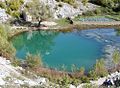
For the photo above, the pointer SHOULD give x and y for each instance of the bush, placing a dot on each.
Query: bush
(116, 57)
(33, 61)
(90, 86)
(85, 79)
(12, 7)
(64, 81)
(3, 32)
(6, 48)
(82, 71)
(16, 62)
(92, 75)
(67, 1)
(100, 69)
(2, 5)
(85, 2)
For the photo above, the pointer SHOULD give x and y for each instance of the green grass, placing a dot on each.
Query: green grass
(62, 22)
(77, 18)
(114, 17)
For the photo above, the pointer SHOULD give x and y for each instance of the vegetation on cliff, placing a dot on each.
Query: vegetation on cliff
(6, 48)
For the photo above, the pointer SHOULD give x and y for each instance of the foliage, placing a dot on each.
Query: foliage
(100, 69)
(33, 60)
(114, 17)
(116, 57)
(112, 4)
(89, 86)
(85, 2)
(64, 81)
(3, 32)
(6, 48)
(84, 79)
(67, 1)
(2, 5)
(12, 7)
(75, 81)
(92, 75)
(62, 22)
(82, 71)
(38, 10)
(15, 62)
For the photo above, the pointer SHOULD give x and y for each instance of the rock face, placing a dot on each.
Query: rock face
(3, 16)
(11, 77)
(61, 10)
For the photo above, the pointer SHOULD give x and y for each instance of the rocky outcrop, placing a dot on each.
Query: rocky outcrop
(11, 77)
(61, 10)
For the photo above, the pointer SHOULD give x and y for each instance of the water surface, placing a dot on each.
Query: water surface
(58, 49)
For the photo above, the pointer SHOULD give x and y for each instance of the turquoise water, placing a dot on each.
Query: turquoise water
(58, 49)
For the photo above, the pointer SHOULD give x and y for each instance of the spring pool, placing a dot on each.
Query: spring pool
(59, 49)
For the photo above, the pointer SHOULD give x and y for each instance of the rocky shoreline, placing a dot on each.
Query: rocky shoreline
(11, 76)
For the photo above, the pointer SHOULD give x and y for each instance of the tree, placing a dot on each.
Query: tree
(38, 10)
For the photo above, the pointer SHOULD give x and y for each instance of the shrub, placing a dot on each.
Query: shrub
(89, 86)
(3, 32)
(33, 60)
(16, 62)
(100, 69)
(82, 71)
(64, 81)
(116, 57)
(85, 79)
(85, 2)
(92, 75)
(6, 48)
(67, 1)
(75, 81)
(2, 5)
(12, 7)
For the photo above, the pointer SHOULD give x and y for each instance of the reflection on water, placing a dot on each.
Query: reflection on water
(35, 42)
